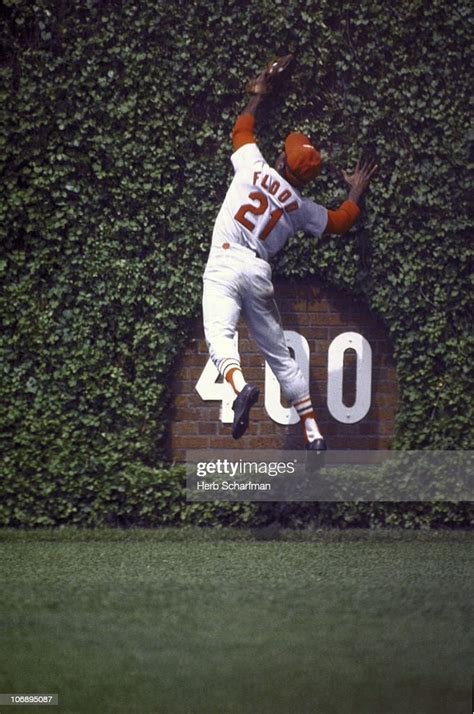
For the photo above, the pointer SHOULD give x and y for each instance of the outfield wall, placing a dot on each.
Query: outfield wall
(320, 315)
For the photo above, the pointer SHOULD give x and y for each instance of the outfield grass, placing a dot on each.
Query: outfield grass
(221, 622)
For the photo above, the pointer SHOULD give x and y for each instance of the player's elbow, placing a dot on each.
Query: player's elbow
(243, 131)
(338, 225)
(342, 220)
(240, 137)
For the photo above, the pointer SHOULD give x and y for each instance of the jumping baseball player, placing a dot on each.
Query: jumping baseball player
(262, 209)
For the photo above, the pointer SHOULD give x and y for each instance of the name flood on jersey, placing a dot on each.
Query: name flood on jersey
(272, 186)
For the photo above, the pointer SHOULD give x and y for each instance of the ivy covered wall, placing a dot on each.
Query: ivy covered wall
(115, 143)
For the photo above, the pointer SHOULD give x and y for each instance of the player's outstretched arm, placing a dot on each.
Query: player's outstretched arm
(342, 220)
(259, 87)
(252, 105)
(243, 131)
(359, 181)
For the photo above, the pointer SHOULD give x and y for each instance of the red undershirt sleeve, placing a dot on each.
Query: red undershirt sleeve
(342, 220)
(243, 131)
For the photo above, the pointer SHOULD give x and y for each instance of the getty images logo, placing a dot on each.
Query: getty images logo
(234, 469)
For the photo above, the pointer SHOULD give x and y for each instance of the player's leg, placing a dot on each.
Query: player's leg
(264, 322)
(221, 306)
(221, 310)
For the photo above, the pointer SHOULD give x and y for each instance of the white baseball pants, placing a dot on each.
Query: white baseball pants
(235, 282)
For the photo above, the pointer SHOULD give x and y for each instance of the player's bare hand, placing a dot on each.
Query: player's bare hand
(358, 182)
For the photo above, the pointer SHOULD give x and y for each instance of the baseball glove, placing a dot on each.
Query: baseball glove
(275, 70)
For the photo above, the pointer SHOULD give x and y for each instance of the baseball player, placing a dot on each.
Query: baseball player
(262, 209)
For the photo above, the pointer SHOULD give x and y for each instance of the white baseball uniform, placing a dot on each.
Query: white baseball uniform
(260, 212)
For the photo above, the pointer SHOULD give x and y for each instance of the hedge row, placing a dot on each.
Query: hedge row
(114, 136)
(142, 497)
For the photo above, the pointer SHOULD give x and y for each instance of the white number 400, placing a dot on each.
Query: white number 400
(209, 389)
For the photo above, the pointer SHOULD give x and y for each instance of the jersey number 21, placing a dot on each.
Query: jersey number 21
(261, 207)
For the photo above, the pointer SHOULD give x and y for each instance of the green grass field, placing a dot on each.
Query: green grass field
(221, 622)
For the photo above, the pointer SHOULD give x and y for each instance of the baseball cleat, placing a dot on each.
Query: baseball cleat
(241, 406)
(316, 445)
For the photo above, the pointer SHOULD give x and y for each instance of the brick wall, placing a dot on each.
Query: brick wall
(320, 314)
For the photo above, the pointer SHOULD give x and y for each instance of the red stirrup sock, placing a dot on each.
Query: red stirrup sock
(306, 413)
(230, 370)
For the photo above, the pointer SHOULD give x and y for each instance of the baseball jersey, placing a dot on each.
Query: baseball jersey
(261, 210)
